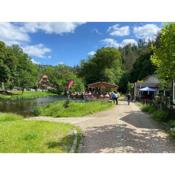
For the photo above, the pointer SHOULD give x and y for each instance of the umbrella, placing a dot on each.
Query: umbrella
(147, 89)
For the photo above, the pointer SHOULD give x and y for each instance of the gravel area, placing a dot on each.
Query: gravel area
(122, 129)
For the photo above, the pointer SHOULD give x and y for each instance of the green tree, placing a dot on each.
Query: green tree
(105, 65)
(59, 76)
(142, 67)
(4, 72)
(164, 54)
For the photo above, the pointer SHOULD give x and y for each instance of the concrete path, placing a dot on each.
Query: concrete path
(122, 129)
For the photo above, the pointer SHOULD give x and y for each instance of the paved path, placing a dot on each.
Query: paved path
(122, 129)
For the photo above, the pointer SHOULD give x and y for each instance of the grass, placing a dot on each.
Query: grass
(26, 95)
(26, 136)
(74, 109)
(162, 117)
(157, 114)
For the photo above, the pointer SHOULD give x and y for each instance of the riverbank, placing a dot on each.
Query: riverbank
(72, 109)
(17, 95)
(23, 136)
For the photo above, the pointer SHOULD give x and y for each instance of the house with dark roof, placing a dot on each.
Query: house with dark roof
(150, 81)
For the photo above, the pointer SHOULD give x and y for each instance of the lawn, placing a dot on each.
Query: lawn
(26, 136)
(74, 109)
(26, 95)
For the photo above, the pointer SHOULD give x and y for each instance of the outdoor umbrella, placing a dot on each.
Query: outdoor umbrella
(147, 89)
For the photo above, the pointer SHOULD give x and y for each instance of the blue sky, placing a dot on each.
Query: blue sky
(68, 43)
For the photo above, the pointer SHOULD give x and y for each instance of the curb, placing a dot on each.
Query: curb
(74, 145)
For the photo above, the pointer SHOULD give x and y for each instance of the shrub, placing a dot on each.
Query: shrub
(9, 117)
(148, 108)
(160, 115)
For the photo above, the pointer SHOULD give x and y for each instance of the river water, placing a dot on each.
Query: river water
(25, 107)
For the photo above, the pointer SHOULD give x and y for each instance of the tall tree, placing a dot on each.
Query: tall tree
(164, 54)
(105, 65)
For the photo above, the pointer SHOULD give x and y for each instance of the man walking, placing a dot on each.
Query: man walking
(114, 97)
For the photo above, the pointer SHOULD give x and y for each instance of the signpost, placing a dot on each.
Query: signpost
(68, 86)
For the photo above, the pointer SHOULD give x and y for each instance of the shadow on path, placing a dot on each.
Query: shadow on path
(122, 139)
(140, 120)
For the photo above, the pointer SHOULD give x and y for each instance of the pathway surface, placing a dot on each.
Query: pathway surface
(122, 129)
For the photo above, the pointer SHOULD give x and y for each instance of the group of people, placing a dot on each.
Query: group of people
(115, 95)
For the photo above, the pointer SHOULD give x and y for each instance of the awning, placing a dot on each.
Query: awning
(102, 85)
(148, 89)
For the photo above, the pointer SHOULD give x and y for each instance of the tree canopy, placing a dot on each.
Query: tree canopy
(105, 65)
(164, 54)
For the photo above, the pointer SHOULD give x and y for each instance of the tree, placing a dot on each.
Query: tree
(142, 67)
(4, 72)
(59, 76)
(105, 65)
(164, 54)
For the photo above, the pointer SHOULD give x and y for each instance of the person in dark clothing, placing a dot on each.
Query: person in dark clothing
(129, 98)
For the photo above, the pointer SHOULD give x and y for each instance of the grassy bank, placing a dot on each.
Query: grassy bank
(26, 95)
(157, 114)
(23, 136)
(74, 109)
(162, 117)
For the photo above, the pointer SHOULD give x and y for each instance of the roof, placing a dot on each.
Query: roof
(102, 85)
(148, 89)
(151, 85)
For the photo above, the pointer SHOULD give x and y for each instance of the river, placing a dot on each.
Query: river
(25, 107)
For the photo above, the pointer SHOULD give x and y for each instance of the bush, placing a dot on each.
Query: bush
(148, 108)
(9, 117)
(155, 113)
(160, 115)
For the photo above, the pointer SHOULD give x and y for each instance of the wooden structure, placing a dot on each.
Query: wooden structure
(44, 83)
(150, 82)
(102, 85)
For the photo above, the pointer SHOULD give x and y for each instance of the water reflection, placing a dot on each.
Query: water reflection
(26, 107)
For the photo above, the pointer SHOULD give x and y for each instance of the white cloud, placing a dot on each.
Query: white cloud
(91, 53)
(11, 34)
(128, 41)
(38, 50)
(51, 27)
(116, 30)
(34, 61)
(109, 42)
(147, 32)
(18, 33)
(61, 62)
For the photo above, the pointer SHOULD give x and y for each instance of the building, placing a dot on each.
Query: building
(44, 83)
(150, 81)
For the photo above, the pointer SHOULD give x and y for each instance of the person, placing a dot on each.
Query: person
(129, 98)
(114, 97)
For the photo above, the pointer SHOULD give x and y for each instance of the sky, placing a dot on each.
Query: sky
(68, 43)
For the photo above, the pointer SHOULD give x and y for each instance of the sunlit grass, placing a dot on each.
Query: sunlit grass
(26, 95)
(25, 136)
(74, 109)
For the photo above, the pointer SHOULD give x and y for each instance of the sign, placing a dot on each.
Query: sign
(69, 84)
